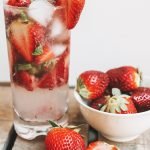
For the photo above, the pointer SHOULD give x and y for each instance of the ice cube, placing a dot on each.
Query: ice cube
(41, 11)
(57, 28)
(58, 49)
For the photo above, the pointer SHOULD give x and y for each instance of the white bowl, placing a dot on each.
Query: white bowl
(115, 127)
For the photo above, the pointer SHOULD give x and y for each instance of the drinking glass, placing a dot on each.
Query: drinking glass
(38, 43)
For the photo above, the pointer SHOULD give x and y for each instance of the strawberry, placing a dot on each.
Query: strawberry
(38, 32)
(48, 80)
(19, 3)
(43, 54)
(141, 99)
(64, 139)
(24, 79)
(100, 145)
(119, 103)
(92, 84)
(21, 39)
(62, 68)
(11, 55)
(126, 78)
(142, 89)
(73, 10)
(98, 103)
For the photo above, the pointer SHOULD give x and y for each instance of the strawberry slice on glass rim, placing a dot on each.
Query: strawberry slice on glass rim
(73, 9)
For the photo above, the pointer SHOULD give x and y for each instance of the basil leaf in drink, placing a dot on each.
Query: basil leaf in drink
(24, 17)
(49, 64)
(38, 51)
(36, 69)
(22, 67)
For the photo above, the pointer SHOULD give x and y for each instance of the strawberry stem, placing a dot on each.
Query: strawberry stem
(53, 123)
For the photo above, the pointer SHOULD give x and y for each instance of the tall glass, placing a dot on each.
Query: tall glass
(38, 47)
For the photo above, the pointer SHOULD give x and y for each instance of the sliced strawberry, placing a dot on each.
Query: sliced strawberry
(24, 79)
(62, 68)
(46, 55)
(11, 2)
(73, 10)
(48, 80)
(38, 32)
(12, 57)
(21, 39)
(19, 3)
(100, 145)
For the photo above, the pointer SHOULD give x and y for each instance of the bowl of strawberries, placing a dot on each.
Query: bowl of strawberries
(116, 103)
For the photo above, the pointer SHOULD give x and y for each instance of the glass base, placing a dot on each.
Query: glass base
(30, 130)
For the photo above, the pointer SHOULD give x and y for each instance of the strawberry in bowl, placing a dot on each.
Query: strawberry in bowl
(121, 112)
(92, 84)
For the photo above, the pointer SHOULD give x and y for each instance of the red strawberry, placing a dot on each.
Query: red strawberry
(126, 78)
(38, 32)
(98, 103)
(45, 55)
(142, 89)
(73, 10)
(92, 84)
(21, 39)
(11, 52)
(24, 79)
(19, 3)
(141, 99)
(64, 139)
(48, 80)
(100, 145)
(119, 103)
(62, 68)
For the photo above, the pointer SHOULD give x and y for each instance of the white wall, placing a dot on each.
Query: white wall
(110, 33)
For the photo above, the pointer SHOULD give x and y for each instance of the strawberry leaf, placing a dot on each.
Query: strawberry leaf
(38, 51)
(53, 123)
(23, 67)
(24, 17)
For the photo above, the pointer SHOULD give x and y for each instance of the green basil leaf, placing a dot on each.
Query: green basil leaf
(38, 51)
(22, 67)
(24, 17)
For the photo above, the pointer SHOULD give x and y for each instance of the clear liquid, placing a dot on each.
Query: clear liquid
(41, 104)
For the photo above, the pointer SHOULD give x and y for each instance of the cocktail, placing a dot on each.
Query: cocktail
(38, 39)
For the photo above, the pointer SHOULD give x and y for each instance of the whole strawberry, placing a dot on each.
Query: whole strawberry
(64, 139)
(126, 78)
(100, 145)
(98, 103)
(92, 84)
(141, 99)
(119, 103)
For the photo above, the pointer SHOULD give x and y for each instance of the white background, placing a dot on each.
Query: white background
(110, 33)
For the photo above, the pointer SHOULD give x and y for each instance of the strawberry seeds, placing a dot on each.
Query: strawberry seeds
(116, 91)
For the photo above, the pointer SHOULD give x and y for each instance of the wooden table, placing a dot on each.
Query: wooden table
(8, 137)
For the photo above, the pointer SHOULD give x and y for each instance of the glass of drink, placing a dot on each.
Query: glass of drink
(38, 42)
